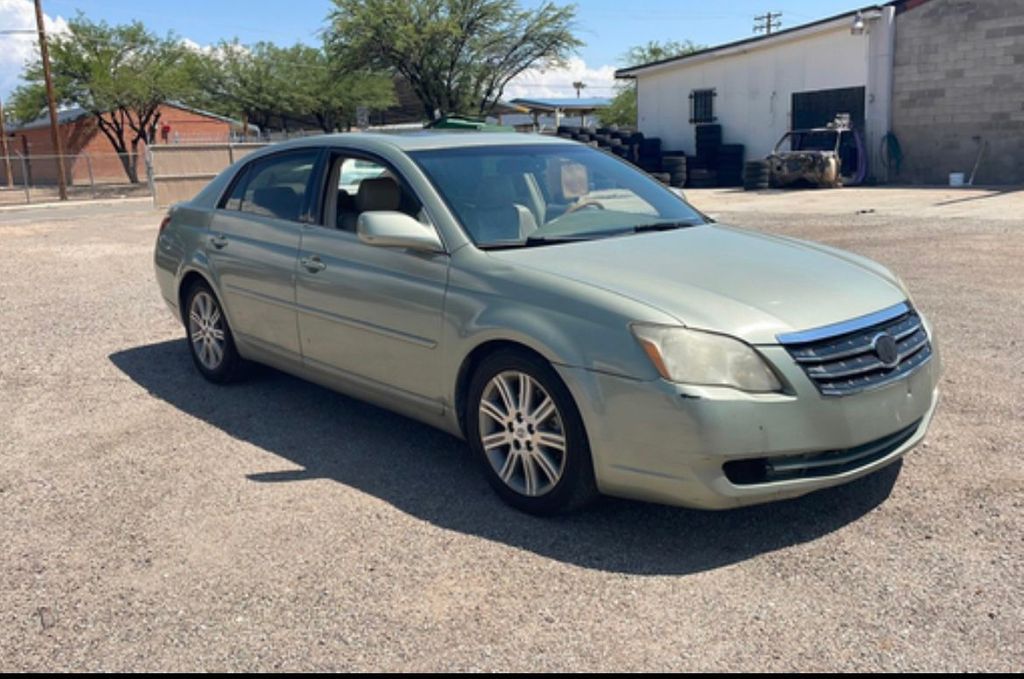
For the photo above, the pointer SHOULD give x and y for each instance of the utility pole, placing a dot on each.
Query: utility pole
(3, 146)
(768, 23)
(54, 133)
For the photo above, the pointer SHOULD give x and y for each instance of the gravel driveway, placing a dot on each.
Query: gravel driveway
(151, 521)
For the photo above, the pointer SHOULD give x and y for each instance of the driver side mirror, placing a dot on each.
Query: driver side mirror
(397, 230)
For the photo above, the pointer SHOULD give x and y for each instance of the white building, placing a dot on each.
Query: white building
(758, 89)
(936, 86)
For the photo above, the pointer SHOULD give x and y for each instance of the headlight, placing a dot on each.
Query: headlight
(703, 358)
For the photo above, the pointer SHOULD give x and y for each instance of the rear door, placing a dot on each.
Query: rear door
(369, 312)
(254, 244)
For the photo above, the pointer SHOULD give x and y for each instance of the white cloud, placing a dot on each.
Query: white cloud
(18, 48)
(558, 82)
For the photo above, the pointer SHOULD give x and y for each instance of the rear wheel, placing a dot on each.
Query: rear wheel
(209, 337)
(527, 433)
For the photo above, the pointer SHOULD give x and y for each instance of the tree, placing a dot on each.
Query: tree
(623, 107)
(26, 102)
(120, 75)
(579, 86)
(329, 93)
(457, 55)
(264, 82)
(249, 81)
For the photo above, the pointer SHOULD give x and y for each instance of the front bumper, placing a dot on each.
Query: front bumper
(667, 443)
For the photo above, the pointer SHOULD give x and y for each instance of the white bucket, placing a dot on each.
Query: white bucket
(956, 178)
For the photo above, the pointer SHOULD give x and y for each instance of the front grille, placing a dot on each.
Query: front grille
(848, 362)
(815, 465)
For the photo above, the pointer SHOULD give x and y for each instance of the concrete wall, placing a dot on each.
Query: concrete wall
(959, 82)
(180, 171)
(755, 86)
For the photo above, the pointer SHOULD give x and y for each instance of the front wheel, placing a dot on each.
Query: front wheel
(524, 427)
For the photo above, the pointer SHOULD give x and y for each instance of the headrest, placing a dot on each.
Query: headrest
(282, 202)
(567, 180)
(377, 194)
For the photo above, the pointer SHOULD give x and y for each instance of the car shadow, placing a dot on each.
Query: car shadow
(430, 475)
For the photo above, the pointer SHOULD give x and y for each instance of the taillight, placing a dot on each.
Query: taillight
(165, 222)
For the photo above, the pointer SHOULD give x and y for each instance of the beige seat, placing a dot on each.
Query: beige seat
(380, 194)
(498, 218)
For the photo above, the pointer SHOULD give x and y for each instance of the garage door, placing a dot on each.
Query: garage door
(819, 108)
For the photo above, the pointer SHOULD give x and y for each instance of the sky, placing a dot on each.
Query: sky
(608, 27)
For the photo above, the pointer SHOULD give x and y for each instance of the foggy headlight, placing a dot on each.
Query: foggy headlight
(704, 358)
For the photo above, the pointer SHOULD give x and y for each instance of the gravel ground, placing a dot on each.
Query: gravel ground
(151, 521)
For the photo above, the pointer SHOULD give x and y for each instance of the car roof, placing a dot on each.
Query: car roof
(423, 140)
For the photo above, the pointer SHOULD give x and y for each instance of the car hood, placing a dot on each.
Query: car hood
(749, 285)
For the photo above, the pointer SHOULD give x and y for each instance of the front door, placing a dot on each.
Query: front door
(368, 312)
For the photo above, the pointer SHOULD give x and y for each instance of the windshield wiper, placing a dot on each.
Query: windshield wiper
(574, 238)
(663, 226)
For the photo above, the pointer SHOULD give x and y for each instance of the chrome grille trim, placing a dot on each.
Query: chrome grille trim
(846, 363)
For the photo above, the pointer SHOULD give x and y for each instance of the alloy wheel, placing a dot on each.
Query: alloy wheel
(522, 433)
(206, 330)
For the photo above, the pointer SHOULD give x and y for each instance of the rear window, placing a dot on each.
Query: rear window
(275, 187)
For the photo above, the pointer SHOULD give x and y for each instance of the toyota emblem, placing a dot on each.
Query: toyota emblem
(885, 348)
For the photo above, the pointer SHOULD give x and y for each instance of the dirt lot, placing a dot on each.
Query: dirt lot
(151, 521)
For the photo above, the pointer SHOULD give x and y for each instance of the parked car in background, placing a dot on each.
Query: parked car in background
(583, 328)
(826, 157)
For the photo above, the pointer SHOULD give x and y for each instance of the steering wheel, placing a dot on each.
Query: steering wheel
(583, 205)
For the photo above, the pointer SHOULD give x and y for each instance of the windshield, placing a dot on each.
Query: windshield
(514, 196)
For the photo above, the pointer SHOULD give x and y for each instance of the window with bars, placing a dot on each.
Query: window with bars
(702, 106)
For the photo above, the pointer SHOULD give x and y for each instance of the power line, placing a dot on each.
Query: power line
(768, 22)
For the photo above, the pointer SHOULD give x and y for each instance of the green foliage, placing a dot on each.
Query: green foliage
(622, 111)
(26, 103)
(659, 51)
(331, 94)
(119, 74)
(457, 55)
(264, 83)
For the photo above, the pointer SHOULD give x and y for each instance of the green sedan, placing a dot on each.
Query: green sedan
(581, 326)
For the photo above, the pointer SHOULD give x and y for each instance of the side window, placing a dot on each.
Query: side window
(363, 185)
(276, 187)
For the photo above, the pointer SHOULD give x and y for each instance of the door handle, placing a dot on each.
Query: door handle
(312, 264)
(218, 241)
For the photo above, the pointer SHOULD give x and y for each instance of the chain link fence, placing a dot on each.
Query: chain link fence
(26, 179)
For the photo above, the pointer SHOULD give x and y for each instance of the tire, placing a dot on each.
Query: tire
(703, 179)
(650, 146)
(210, 341)
(560, 482)
(674, 162)
(663, 177)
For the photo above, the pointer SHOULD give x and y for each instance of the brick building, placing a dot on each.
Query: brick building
(930, 85)
(89, 155)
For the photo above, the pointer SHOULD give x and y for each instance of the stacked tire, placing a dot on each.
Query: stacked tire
(708, 142)
(756, 175)
(675, 167)
(730, 164)
(702, 178)
(650, 154)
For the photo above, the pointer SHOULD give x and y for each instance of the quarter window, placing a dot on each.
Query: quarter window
(702, 106)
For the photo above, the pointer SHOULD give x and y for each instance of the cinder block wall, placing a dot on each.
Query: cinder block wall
(959, 77)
